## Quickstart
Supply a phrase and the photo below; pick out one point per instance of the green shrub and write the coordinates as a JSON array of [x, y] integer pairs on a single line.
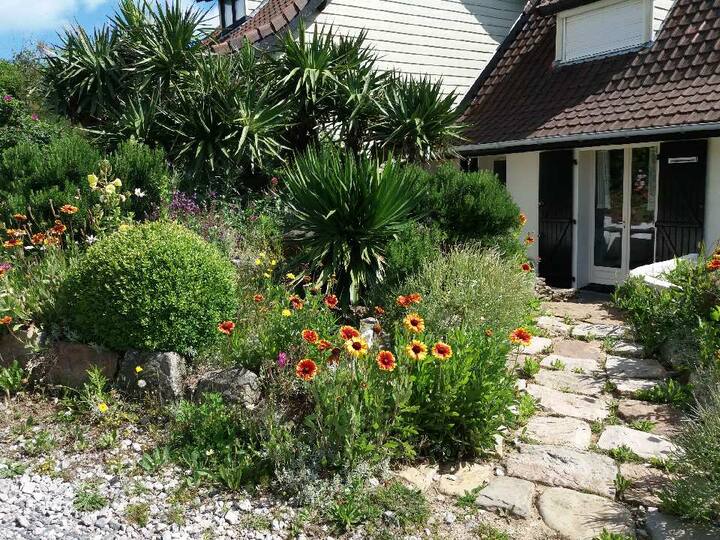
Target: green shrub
[[472, 287], [343, 212], [471, 206], [155, 286], [414, 245]]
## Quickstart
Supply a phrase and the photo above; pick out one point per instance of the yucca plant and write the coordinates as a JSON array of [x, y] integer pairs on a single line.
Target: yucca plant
[[416, 120], [343, 210]]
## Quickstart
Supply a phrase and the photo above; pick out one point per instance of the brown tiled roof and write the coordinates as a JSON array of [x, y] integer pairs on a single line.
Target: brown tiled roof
[[523, 95], [270, 18]]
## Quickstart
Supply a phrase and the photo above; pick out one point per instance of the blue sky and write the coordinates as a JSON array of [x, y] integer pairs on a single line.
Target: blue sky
[[25, 22]]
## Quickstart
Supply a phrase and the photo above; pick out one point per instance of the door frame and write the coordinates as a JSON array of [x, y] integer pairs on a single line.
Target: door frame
[[612, 276]]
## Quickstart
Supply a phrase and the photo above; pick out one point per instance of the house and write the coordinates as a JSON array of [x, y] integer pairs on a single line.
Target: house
[[452, 39], [604, 118]]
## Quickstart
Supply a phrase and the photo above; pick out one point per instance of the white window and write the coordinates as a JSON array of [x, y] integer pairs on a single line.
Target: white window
[[602, 28]]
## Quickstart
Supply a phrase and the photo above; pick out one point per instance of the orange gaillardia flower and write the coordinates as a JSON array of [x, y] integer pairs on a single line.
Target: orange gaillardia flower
[[323, 345], [525, 267], [403, 301], [379, 311], [258, 298], [348, 332], [311, 336], [357, 347], [6, 320], [38, 238], [713, 265], [529, 240], [12, 243], [69, 209], [306, 369], [58, 228], [522, 218], [14, 233], [414, 323], [520, 336], [386, 361], [408, 300], [20, 218], [442, 351], [226, 327], [52, 241], [331, 301], [296, 303], [416, 350]]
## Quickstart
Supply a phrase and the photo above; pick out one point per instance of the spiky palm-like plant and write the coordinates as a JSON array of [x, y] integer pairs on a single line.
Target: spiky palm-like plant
[[343, 211]]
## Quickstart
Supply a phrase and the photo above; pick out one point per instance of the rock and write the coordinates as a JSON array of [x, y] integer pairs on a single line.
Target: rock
[[629, 349], [594, 311], [564, 467], [67, 363], [630, 387], [575, 365], [12, 348], [420, 477], [232, 517], [162, 374], [568, 381], [237, 385], [667, 420], [559, 431], [634, 368], [553, 325], [665, 527], [598, 331], [645, 445], [645, 483], [575, 348], [537, 345], [581, 516], [463, 478], [507, 493], [449, 518], [575, 406]]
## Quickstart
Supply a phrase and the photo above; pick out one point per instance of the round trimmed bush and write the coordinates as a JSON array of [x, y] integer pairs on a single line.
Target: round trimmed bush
[[156, 286]]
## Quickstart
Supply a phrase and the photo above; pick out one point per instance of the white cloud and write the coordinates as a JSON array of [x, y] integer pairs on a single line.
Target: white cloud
[[29, 15]]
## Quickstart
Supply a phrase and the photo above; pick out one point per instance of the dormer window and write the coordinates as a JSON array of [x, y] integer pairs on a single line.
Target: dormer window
[[602, 28], [232, 12]]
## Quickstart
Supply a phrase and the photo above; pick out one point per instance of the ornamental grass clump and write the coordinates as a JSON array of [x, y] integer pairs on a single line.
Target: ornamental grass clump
[[155, 286]]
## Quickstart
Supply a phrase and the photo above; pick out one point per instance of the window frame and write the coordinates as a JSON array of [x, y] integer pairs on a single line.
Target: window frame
[[563, 16]]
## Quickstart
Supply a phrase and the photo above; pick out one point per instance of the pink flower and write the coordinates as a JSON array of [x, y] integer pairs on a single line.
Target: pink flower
[[7, 98], [282, 360], [35, 117]]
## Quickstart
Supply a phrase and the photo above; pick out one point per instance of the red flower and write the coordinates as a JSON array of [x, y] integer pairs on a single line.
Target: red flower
[[323, 345], [12, 243], [306, 369], [38, 238], [414, 298], [525, 267], [386, 361], [58, 228], [20, 218], [442, 351], [226, 327], [68, 209], [348, 332], [379, 311], [520, 336], [258, 298], [6, 320], [311, 336], [331, 301], [713, 265], [296, 303]]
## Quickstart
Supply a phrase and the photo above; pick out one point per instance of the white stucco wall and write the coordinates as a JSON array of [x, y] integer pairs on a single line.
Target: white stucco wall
[[712, 194], [523, 184]]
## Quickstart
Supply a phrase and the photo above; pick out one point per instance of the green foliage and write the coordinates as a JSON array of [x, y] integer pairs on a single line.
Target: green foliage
[[12, 378], [607, 535], [530, 368], [621, 486], [153, 287], [89, 499], [669, 391], [623, 454], [488, 532], [138, 513], [343, 211], [473, 288], [643, 424]]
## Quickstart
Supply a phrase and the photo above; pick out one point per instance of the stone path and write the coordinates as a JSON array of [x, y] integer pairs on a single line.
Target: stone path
[[562, 475]]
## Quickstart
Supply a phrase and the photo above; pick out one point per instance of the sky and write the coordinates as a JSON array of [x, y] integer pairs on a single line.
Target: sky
[[25, 22]]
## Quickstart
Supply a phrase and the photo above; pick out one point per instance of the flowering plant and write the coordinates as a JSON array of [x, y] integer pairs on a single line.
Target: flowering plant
[[109, 213]]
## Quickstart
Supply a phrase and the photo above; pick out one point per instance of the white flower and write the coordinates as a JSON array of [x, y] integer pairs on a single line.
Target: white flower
[[141, 383], [139, 193], [209, 452], [122, 198], [91, 239]]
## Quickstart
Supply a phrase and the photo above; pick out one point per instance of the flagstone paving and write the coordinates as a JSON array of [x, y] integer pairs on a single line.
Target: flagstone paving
[[559, 476]]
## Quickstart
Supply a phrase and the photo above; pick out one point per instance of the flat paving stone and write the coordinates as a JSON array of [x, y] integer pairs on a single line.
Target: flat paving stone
[[628, 349], [577, 365], [634, 368], [594, 311], [668, 420], [538, 345], [456, 481], [559, 431], [576, 348], [645, 483], [598, 331], [581, 516], [646, 445], [420, 477], [554, 325], [506, 493], [564, 467], [665, 527], [569, 381], [630, 387], [573, 405]]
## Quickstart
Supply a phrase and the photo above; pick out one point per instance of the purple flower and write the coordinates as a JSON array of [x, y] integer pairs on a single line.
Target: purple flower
[[5, 268], [7, 98], [282, 360], [35, 117], [183, 204]]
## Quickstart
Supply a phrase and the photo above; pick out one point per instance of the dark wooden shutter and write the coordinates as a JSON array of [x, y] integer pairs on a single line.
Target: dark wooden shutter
[[681, 198], [556, 217]]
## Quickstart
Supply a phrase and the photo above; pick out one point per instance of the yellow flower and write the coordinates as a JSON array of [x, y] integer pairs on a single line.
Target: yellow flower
[[286, 313], [124, 227], [262, 254], [416, 350], [267, 274], [273, 262], [414, 323], [356, 346], [258, 262], [117, 182], [110, 189], [102, 407], [138, 369], [290, 275], [92, 181]]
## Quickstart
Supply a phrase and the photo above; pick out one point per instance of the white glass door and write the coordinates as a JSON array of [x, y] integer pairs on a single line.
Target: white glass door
[[624, 207]]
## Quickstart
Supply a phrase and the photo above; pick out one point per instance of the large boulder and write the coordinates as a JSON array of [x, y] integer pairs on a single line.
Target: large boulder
[[67, 364], [158, 373], [235, 385], [13, 348]]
